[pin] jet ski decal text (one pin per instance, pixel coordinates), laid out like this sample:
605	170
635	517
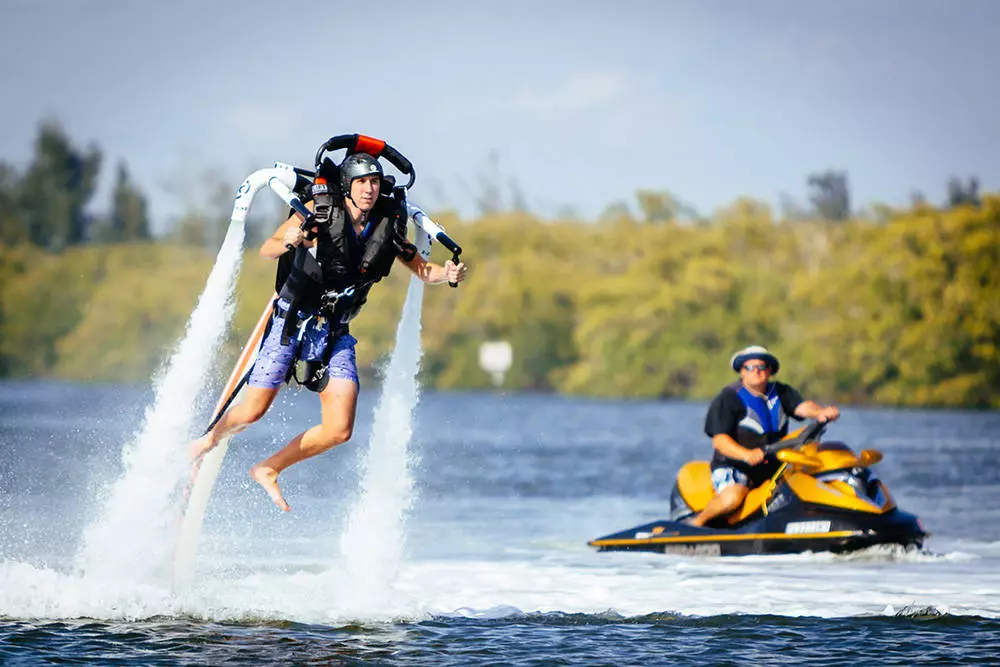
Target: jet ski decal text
800	527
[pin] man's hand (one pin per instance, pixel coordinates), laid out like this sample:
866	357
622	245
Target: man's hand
813	410
455	272
294	237
754	456
828	414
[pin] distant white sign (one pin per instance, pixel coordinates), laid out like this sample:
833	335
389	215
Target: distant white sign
495	357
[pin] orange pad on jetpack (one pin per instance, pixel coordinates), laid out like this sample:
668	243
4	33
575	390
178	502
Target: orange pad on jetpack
369	145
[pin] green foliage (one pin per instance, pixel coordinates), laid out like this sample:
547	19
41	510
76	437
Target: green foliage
135	312
894	306
42	299
46	205
525	297
659	206
56	188
128	220
13	230
897	308
912	311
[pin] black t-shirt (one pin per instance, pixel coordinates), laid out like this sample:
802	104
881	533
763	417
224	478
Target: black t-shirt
724	416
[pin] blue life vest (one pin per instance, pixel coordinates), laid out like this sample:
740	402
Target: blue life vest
765	415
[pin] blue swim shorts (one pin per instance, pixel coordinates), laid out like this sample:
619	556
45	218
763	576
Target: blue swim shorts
274	359
725	476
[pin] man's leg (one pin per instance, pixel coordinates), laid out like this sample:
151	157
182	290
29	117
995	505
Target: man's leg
731	489
254	405
268	374
723	503
339	404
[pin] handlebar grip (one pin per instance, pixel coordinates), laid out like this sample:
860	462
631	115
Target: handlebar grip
454	257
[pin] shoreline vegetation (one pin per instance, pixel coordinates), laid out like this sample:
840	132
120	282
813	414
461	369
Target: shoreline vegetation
896	307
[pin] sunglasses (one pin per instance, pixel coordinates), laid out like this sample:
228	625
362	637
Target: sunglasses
755	367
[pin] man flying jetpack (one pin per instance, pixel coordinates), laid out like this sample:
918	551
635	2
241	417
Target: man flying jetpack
346	228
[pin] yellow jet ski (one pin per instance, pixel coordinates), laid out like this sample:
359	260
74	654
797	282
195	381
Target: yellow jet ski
824	497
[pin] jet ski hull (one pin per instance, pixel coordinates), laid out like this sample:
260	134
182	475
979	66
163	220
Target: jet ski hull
796	531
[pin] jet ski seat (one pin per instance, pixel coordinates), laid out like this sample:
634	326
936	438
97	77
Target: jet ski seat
694	481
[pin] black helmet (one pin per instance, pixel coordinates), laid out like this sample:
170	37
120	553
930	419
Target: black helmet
357	165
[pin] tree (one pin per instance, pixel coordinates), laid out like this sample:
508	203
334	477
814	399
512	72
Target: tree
963	195
615	211
656	206
56	189
830	195
12	227
128	212
128	220
662	206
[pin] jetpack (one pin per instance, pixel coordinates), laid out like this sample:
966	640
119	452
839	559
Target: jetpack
292	185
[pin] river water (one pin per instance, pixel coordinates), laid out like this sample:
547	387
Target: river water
507	489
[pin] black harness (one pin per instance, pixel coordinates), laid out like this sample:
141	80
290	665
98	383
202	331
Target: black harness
332	279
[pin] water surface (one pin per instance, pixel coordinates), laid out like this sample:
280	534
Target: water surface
496	568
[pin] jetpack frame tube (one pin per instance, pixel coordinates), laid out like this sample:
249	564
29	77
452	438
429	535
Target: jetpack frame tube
434	231
281	178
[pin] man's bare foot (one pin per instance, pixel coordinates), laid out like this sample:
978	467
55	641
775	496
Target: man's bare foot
200	447
268	478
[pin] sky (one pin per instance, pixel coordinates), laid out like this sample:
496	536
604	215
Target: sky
576	104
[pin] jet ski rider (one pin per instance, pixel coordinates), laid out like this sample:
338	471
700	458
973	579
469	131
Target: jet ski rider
744	417
324	275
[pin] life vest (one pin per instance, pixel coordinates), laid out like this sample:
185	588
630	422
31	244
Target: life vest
765	421
334	276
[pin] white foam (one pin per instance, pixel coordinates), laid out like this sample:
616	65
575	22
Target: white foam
626	584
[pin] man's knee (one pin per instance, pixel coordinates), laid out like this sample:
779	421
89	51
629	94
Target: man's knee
333	435
732	496
255	405
253	411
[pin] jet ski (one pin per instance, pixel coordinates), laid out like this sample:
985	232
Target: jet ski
824	497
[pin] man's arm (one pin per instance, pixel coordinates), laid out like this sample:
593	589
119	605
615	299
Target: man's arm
434	274
726	446
724	414
288	234
813	410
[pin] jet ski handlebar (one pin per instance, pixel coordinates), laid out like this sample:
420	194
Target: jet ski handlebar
810	432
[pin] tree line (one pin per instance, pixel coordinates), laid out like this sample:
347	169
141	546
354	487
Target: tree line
46	205
894	307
